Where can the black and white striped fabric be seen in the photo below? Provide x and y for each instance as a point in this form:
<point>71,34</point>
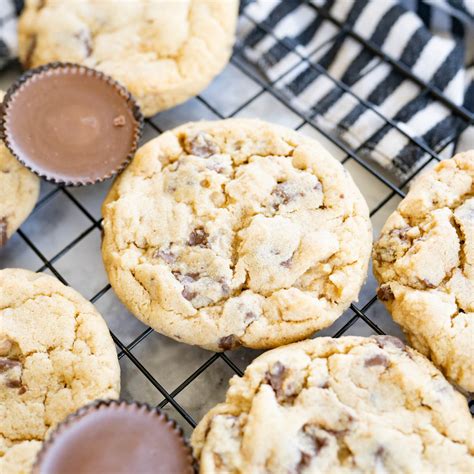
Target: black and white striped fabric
<point>278,34</point>
<point>344,87</point>
<point>9,10</point>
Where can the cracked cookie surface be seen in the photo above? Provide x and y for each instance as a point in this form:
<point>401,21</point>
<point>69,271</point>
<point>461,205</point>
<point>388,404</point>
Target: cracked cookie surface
<point>347,405</point>
<point>424,262</point>
<point>163,51</point>
<point>56,355</point>
<point>19,190</point>
<point>236,232</point>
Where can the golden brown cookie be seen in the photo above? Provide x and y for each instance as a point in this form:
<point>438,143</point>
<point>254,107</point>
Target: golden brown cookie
<point>19,190</point>
<point>236,232</point>
<point>56,355</point>
<point>424,262</point>
<point>163,51</point>
<point>348,405</point>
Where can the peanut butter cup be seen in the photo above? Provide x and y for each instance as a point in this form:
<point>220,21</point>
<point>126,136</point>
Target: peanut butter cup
<point>119,437</point>
<point>70,124</point>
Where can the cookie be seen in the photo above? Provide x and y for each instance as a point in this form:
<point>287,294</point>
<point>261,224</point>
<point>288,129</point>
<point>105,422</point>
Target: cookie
<point>56,355</point>
<point>163,52</point>
<point>236,232</point>
<point>359,405</point>
<point>19,190</point>
<point>424,262</point>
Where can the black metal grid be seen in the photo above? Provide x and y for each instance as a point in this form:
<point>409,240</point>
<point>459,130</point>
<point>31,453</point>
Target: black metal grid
<point>239,61</point>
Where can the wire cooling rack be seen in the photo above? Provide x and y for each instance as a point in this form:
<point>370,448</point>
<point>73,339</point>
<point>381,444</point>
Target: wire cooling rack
<point>247,90</point>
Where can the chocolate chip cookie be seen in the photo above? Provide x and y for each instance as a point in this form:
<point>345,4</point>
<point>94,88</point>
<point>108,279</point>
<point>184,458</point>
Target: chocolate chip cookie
<point>359,405</point>
<point>424,262</point>
<point>163,51</point>
<point>19,189</point>
<point>56,355</point>
<point>236,232</point>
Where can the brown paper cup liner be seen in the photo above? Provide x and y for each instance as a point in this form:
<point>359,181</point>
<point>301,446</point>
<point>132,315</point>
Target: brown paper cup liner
<point>58,69</point>
<point>90,409</point>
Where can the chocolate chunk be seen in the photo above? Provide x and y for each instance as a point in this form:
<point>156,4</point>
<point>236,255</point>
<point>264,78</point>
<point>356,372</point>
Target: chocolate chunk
<point>320,443</point>
<point>13,384</point>
<point>188,294</point>
<point>305,461</point>
<point>5,366</point>
<point>22,390</point>
<point>185,280</point>
<point>201,145</point>
<point>282,193</point>
<point>225,289</point>
<point>3,231</point>
<point>383,341</point>
<point>385,293</point>
<point>286,389</point>
<point>229,342</point>
<point>316,444</point>
<point>193,276</point>
<point>383,254</point>
<point>218,168</point>
<point>275,377</point>
<point>250,316</point>
<point>311,431</point>
<point>400,233</point>
<point>379,460</point>
<point>287,263</point>
<point>378,359</point>
<point>165,255</point>
<point>198,237</point>
<point>8,364</point>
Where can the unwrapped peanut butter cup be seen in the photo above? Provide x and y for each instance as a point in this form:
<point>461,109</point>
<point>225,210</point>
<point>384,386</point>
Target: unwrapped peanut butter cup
<point>116,437</point>
<point>70,124</point>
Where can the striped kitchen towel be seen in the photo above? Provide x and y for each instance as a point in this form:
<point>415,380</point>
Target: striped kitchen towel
<point>347,89</point>
<point>9,10</point>
<point>310,52</point>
